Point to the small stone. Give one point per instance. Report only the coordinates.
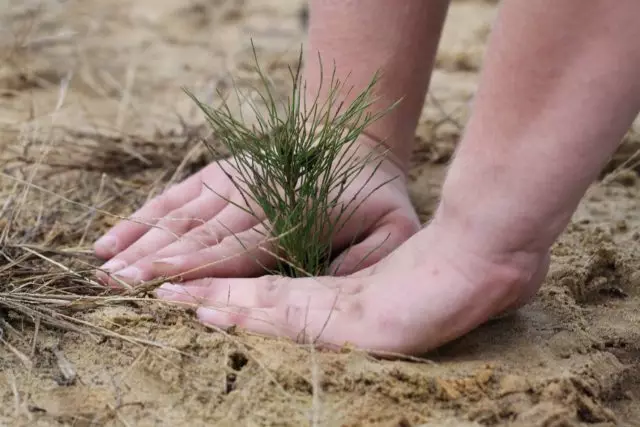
(446, 390)
(510, 384)
(483, 376)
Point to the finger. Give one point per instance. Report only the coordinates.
(199, 247)
(247, 253)
(262, 292)
(311, 308)
(128, 231)
(189, 296)
(168, 230)
(394, 231)
(203, 292)
(293, 322)
(230, 221)
(331, 325)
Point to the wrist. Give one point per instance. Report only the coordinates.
(391, 159)
(489, 223)
(511, 274)
(481, 253)
(511, 196)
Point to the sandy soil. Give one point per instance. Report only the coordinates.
(92, 90)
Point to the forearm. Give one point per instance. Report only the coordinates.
(559, 89)
(399, 39)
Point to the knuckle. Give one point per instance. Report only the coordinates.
(273, 291)
(179, 220)
(353, 308)
(353, 288)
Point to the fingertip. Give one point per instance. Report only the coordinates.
(113, 265)
(189, 296)
(212, 316)
(170, 291)
(106, 246)
(108, 280)
(228, 316)
(120, 237)
(105, 273)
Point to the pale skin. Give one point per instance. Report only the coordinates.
(558, 90)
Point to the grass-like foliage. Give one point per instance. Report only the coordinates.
(297, 161)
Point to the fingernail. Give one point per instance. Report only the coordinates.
(208, 315)
(129, 274)
(225, 318)
(169, 291)
(113, 265)
(107, 244)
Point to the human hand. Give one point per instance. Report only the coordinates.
(431, 290)
(192, 232)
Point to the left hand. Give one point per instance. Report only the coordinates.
(192, 233)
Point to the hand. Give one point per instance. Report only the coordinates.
(430, 291)
(192, 232)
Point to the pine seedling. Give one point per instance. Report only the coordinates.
(295, 163)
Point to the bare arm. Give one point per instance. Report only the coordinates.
(364, 36)
(560, 87)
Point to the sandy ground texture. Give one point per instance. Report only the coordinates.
(92, 114)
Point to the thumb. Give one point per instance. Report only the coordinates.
(395, 229)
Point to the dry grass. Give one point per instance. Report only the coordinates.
(46, 262)
(58, 184)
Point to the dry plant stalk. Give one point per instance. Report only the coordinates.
(297, 162)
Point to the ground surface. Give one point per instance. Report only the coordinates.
(570, 358)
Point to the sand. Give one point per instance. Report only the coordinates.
(98, 85)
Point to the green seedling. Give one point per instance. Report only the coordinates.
(296, 162)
